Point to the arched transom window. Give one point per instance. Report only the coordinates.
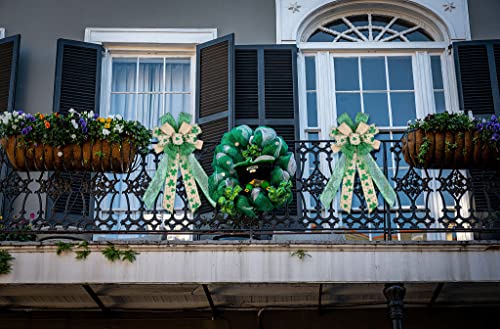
(369, 27)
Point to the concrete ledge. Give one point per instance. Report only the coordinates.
(250, 261)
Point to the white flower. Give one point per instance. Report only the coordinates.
(91, 114)
(118, 117)
(14, 127)
(73, 136)
(72, 110)
(75, 125)
(119, 129)
(59, 154)
(105, 132)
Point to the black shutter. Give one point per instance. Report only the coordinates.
(9, 57)
(266, 88)
(266, 91)
(477, 65)
(78, 76)
(215, 92)
(214, 97)
(77, 86)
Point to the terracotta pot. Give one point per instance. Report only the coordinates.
(450, 150)
(97, 156)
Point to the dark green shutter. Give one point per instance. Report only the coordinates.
(9, 58)
(478, 72)
(77, 85)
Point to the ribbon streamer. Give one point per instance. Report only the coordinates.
(177, 141)
(356, 141)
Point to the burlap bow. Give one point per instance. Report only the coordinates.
(356, 141)
(177, 141)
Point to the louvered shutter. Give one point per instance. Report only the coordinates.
(77, 86)
(478, 72)
(266, 90)
(9, 57)
(215, 96)
(78, 76)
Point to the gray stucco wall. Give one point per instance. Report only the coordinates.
(484, 20)
(41, 23)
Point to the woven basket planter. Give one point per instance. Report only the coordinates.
(448, 150)
(97, 156)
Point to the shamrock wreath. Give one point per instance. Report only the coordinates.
(252, 172)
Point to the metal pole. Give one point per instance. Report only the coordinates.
(395, 293)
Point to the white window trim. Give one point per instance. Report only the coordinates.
(147, 42)
(2, 33)
(150, 35)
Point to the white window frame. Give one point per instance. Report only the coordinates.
(147, 42)
(2, 33)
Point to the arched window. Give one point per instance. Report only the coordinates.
(383, 59)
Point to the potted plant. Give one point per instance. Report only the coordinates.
(448, 140)
(74, 141)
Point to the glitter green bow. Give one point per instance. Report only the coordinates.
(356, 141)
(178, 141)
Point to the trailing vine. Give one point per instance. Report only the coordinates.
(111, 253)
(5, 262)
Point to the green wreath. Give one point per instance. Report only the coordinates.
(253, 172)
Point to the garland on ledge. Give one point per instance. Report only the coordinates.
(252, 172)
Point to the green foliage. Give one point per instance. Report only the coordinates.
(63, 247)
(281, 195)
(73, 128)
(83, 252)
(5, 262)
(112, 254)
(444, 122)
(300, 254)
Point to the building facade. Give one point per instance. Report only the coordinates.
(430, 260)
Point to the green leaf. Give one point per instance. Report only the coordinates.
(111, 253)
(5, 262)
(63, 247)
(128, 255)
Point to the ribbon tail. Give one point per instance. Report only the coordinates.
(380, 180)
(348, 184)
(192, 195)
(156, 184)
(333, 184)
(366, 182)
(171, 185)
(201, 178)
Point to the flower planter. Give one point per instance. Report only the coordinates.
(450, 150)
(97, 156)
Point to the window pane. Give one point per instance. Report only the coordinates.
(437, 75)
(177, 75)
(176, 103)
(349, 103)
(400, 73)
(338, 25)
(124, 74)
(150, 74)
(346, 74)
(418, 35)
(403, 108)
(440, 102)
(124, 104)
(149, 109)
(373, 69)
(312, 110)
(320, 36)
(310, 73)
(376, 106)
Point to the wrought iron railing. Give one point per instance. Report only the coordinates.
(432, 204)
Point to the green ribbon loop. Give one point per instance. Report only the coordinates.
(356, 140)
(177, 140)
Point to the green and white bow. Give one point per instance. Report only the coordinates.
(356, 141)
(178, 141)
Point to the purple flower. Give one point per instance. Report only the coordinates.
(495, 137)
(20, 112)
(96, 115)
(25, 131)
(85, 130)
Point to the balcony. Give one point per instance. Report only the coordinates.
(432, 204)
